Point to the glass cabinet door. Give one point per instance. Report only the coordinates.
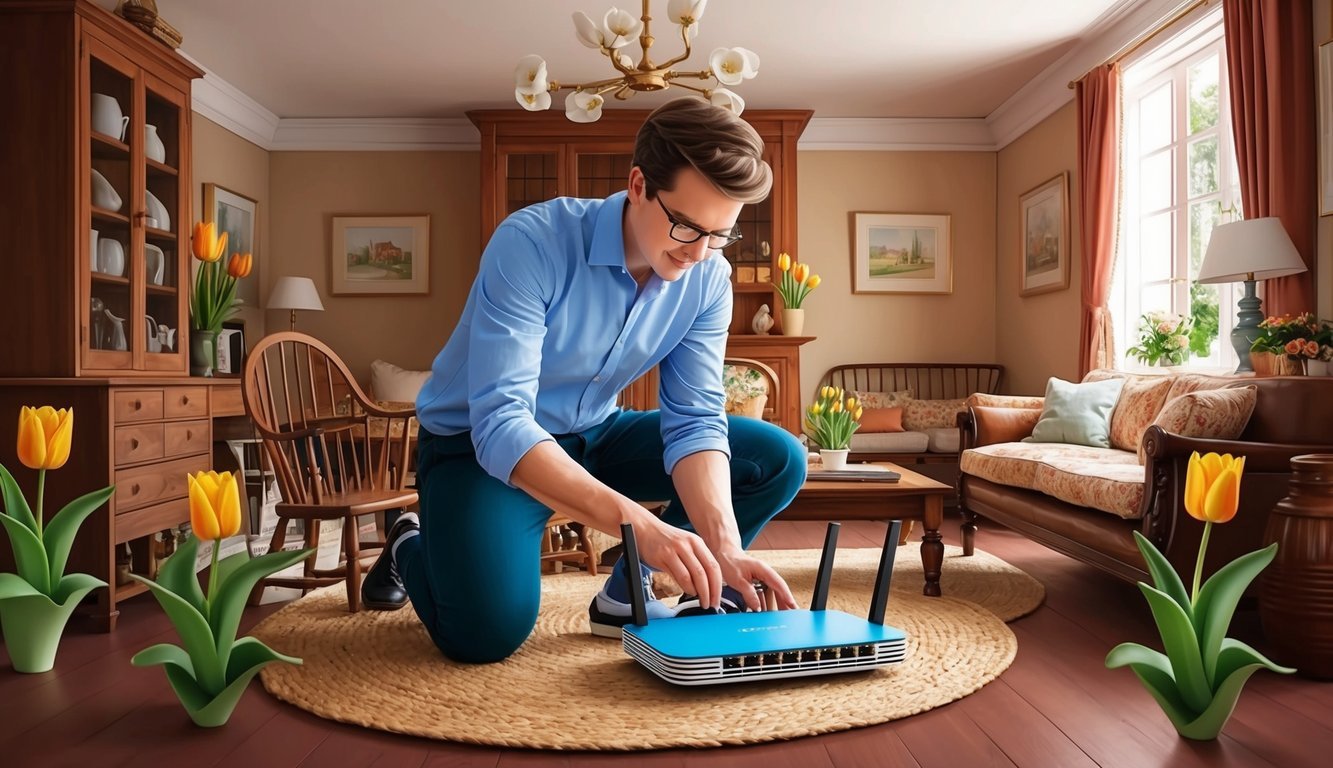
(531, 175)
(165, 228)
(109, 300)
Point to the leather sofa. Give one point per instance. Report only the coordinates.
(1292, 416)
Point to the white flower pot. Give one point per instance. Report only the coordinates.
(833, 459)
(793, 322)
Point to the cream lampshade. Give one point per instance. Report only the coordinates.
(1246, 251)
(295, 293)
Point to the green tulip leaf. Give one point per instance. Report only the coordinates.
(178, 576)
(60, 531)
(164, 654)
(1182, 648)
(1209, 724)
(226, 606)
(250, 653)
(16, 506)
(29, 554)
(14, 585)
(1153, 670)
(218, 711)
(1217, 602)
(194, 633)
(1164, 576)
(230, 564)
(74, 587)
(1235, 655)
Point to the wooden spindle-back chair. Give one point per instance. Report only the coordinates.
(337, 455)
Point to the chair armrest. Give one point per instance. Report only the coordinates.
(1160, 445)
(987, 425)
(373, 409)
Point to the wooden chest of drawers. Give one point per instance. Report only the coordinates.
(143, 436)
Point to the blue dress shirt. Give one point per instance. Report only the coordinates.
(555, 327)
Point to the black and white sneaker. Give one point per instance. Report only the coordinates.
(382, 588)
(732, 602)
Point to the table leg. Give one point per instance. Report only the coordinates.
(932, 544)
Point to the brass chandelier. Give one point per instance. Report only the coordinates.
(726, 66)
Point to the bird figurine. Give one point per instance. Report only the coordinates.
(763, 321)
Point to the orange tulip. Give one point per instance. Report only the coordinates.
(207, 244)
(784, 262)
(215, 505)
(1212, 487)
(239, 265)
(799, 272)
(44, 436)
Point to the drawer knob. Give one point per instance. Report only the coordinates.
(185, 399)
(134, 443)
(134, 489)
(138, 405)
(189, 434)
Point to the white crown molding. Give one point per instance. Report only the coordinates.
(1049, 91)
(901, 134)
(226, 105)
(389, 134)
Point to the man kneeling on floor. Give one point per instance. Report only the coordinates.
(574, 299)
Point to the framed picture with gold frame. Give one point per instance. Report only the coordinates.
(901, 253)
(1044, 236)
(380, 255)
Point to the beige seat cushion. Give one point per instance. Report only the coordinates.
(1016, 464)
(1114, 487)
(890, 442)
(943, 440)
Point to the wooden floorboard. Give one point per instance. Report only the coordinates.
(1057, 705)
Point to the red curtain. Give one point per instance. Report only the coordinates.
(1098, 95)
(1271, 71)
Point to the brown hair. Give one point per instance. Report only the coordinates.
(712, 140)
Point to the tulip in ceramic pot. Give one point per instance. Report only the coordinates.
(833, 459)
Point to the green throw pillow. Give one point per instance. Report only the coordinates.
(1078, 414)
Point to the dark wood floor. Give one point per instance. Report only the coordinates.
(1056, 706)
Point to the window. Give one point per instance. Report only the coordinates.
(1180, 180)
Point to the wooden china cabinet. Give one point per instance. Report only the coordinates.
(96, 147)
(528, 157)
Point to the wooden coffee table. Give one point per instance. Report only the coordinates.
(913, 497)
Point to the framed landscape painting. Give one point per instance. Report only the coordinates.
(380, 255)
(901, 253)
(1045, 233)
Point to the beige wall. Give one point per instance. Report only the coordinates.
(870, 328)
(221, 157)
(1036, 336)
(309, 188)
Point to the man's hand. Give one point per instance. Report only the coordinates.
(740, 569)
(683, 555)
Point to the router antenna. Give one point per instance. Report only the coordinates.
(638, 608)
(880, 600)
(820, 599)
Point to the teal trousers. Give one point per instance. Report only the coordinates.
(473, 575)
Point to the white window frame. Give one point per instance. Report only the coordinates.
(1169, 65)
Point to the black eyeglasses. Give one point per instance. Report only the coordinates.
(683, 232)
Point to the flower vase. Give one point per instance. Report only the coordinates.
(1290, 366)
(833, 459)
(33, 623)
(203, 352)
(793, 322)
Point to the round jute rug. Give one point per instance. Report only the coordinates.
(565, 689)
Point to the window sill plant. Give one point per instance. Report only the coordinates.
(1198, 680)
(1163, 339)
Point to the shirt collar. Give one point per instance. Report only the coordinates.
(608, 239)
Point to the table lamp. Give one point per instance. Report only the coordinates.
(1246, 251)
(295, 293)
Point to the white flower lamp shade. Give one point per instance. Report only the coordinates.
(1246, 251)
(295, 293)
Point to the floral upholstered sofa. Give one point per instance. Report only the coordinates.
(1087, 501)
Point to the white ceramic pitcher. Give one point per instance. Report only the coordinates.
(108, 118)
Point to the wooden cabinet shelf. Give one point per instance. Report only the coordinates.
(102, 214)
(161, 290)
(102, 277)
(154, 167)
(105, 147)
(160, 235)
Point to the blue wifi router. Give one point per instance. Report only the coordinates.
(765, 645)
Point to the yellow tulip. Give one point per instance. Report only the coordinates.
(44, 436)
(1212, 487)
(826, 393)
(851, 403)
(813, 283)
(816, 409)
(215, 505)
(207, 244)
(784, 262)
(800, 272)
(239, 265)
(836, 407)
(857, 415)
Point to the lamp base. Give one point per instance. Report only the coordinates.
(1247, 327)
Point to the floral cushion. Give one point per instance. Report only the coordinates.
(1116, 488)
(1016, 463)
(1193, 382)
(920, 415)
(1210, 414)
(1141, 398)
(1005, 401)
(883, 399)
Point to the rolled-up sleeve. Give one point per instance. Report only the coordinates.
(690, 394)
(508, 330)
